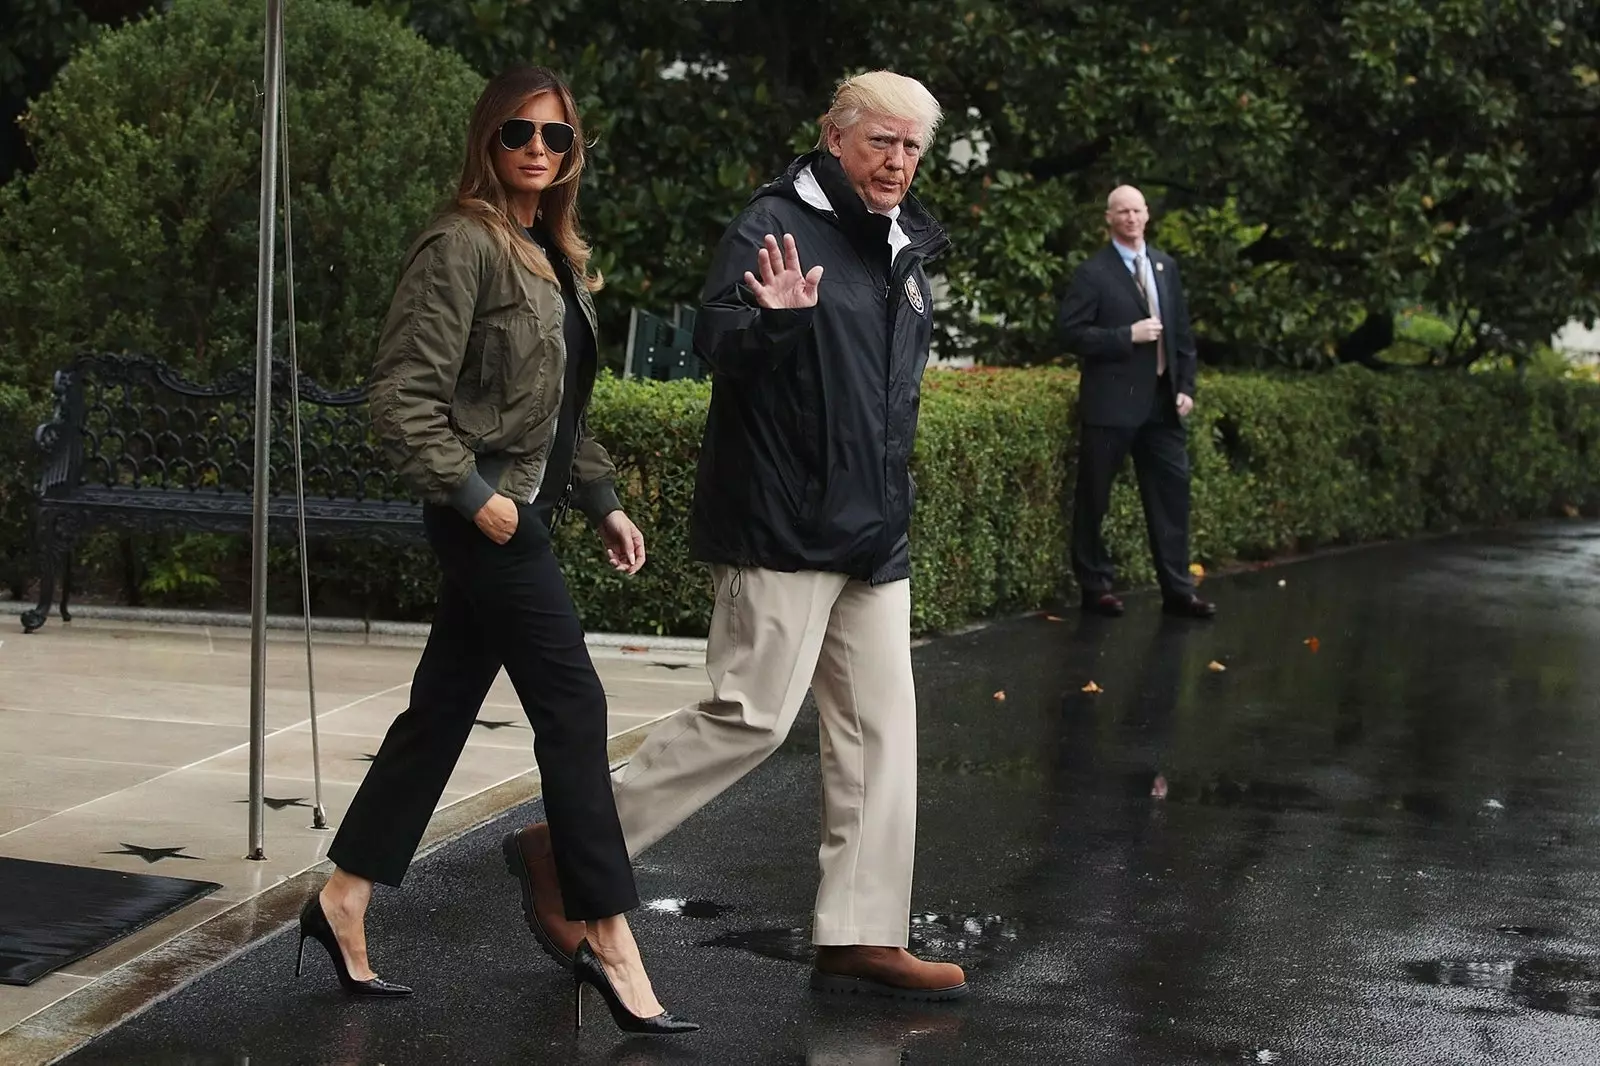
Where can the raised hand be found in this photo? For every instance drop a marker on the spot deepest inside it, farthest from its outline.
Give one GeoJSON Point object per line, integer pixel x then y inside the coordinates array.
{"type": "Point", "coordinates": [781, 283]}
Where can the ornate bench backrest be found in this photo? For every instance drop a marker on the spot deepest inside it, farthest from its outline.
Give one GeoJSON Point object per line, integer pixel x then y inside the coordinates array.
{"type": "Point", "coordinates": [128, 422]}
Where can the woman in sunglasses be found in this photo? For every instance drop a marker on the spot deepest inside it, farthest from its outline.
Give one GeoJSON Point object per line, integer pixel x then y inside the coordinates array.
{"type": "Point", "coordinates": [484, 368]}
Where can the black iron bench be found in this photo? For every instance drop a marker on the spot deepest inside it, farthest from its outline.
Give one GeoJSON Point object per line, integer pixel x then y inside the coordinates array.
{"type": "Point", "coordinates": [133, 446]}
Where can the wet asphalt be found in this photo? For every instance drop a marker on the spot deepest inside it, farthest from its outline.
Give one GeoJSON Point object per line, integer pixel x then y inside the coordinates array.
{"type": "Point", "coordinates": [1378, 847]}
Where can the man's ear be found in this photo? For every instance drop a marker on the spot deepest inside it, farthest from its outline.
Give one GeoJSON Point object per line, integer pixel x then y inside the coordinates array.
{"type": "Point", "coordinates": [835, 142]}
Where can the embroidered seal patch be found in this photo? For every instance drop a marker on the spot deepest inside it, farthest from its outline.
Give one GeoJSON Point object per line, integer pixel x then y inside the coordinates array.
{"type": "Point", "coordinates": [914, 294]}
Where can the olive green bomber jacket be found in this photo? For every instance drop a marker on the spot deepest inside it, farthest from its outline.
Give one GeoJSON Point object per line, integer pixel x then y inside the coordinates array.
{"type": "Point", "coordinates": [465, 394]}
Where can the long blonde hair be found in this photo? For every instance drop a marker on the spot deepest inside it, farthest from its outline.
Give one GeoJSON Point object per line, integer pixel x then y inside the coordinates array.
{"type": "Point", "coordinates": [482, 196]}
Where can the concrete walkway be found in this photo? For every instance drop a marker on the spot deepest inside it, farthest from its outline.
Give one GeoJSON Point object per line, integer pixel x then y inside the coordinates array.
{"type": "Point", "coordinates": [124, 745]}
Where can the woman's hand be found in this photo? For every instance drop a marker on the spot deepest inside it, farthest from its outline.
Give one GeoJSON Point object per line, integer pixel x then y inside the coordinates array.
{"type": "Point", "coordinates": [497, 519]}
{"type": "Point", "coordinates": [624, 543]}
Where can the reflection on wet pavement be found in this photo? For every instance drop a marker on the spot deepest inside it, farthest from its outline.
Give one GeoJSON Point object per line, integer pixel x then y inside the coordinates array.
{"type": "Point", "coordinates": [1563, 986]}
{"type": "Point", "coordinates": [972, 940]}
{"type": "Point", "coordinates": [703, 909]}
{"type": "Point", "coordinates": [1384, 851]}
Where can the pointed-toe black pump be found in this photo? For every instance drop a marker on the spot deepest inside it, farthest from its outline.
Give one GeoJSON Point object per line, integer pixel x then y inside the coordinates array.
{"type": "Point", "coordinates": [586, 970]}
{"type": "Point", "coordinates": [314, 924]}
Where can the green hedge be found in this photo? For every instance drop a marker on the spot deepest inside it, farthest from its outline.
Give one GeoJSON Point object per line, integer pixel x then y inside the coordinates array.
{"type": "Point", "coordinates": [1281, 464]}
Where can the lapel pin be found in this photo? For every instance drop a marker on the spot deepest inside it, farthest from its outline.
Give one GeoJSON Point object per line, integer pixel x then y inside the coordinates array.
{"type": "Point", "coordinates": [1159, 267]}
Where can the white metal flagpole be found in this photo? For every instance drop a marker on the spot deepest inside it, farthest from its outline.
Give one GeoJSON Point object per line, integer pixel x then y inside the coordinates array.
{"type": "Point", "coordinates": [260, 488]}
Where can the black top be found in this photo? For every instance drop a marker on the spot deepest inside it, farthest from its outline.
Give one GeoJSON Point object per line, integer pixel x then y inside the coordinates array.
{"type": "Point", "coordinates": [807, 448]}
{"type": "Point", "coordinates": [579, 368]}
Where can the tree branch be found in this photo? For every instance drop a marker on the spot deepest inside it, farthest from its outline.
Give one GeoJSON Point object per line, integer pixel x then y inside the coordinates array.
{"type": "Point", "coordinates": [1081, 157]}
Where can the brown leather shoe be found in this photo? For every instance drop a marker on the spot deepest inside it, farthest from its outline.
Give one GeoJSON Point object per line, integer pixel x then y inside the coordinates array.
{"type": "Point", "coordinates": [1102, 603]}
{"type": "Point", "coordinates": [530, 861]}
{"type": "Point", "coordinates": [1190, 606]}
{"type": "Point", "coordinates": [894, 972]}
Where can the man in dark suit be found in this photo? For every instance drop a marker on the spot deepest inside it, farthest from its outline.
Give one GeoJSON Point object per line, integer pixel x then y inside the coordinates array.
{"type": "Point", "coordinates": [1125, 318]}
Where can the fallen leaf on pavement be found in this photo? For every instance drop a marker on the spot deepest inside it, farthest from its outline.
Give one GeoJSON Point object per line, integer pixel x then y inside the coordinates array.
{"type": "Point", "coordinates": [1215, 667]}
{"type": "Point", "coordinates": [1092, 687]}
{"type": "Point", "coordinates": [636, 647]}
{"type": "Point", "coordinates": [1000, 695]}
{"type": "Point", "coordinates": [1054, 618]}
{"type": "Point", "coordinates": [1313, 643]}
{"type": "Point", "coordinates": [1158, 789]}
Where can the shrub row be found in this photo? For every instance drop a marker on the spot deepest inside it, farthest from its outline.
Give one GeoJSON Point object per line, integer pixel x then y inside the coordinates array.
{"type": "Point", "coordinates": [1280, 464]}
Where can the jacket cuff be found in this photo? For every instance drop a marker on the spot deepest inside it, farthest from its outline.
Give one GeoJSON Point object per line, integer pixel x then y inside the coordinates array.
{"type": "Point", "coordinates": [783, 326]}
{"type": "Point", "coordinates": [469, 497]}
{"type": "Point", "coordinates": [596, 500]}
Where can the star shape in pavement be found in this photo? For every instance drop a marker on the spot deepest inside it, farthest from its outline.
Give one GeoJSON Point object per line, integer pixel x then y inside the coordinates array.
{"type": "Point", "coordinates": [151, 854]}
{"type": "Point", "coordinates": [280, 804]}
{"type": "Point", "coordinates": [492, 726]}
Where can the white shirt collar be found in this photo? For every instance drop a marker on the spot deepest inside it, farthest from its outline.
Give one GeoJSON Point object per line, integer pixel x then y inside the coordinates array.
{"type": "Point", "coordinates": [809, 189]}
{"type": "Point", "coordinates": [1129, 254]}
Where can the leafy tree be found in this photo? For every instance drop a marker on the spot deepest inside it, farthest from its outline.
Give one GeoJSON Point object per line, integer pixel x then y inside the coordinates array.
{"type": "Point", "coordinates": [138, 229]}
{"type": "Point", "coordinates": [1320, 164]}
{"type": "Point", "coordinates": [36, 37]}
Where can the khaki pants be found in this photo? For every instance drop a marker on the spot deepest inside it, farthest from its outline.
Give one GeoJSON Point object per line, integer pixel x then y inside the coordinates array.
{"type": "Point", "coordinates": [773, 636]}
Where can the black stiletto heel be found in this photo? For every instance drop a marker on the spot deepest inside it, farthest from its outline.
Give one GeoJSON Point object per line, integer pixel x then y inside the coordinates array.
{"type": "Point", "coordinates": [314, 924]}
{"type": "Point", "coordinates": [586, 970]}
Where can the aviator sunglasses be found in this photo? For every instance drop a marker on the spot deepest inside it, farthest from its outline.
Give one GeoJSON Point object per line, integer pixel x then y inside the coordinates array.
{"type": "Point", "coordinates": [515, 133]}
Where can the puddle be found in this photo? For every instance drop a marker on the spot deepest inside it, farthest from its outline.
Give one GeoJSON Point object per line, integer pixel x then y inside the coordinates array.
{"type": "Point", "coordinates": [969, 939]}
{"type": "Point", "coordinates": [1560, 986]}
{"type": "Point", "coordinates": [785, 945]}
{"type": "Point", "coordinates": [1527, 930]}
{"type": "Point", "coordinates": [1243, 1053]}
{"type": "Point", "coordinates": [1220, 791]}
{"type": "Point", "coordinates": [689, 908]}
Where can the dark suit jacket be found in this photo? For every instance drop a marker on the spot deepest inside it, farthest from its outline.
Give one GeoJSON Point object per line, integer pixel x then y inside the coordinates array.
{"type": "Point", "coordinates": [1096, 324]}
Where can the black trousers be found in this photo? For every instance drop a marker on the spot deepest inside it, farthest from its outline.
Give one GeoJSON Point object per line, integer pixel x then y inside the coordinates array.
{"type": "Point", "coordinates": [498, 605]}
{"type": "Point", "coordinates": [1161, 461]}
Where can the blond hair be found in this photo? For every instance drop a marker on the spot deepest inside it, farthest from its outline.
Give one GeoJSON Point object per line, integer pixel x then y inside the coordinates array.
{"type": "Point", "coordinates": [481, 195]}
{"type": "Point", "coordinates": [886, 94]}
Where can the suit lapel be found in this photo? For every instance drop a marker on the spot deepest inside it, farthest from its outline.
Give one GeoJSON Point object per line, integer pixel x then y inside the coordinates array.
{"type": "Point", "coordinates": [1114, 263]}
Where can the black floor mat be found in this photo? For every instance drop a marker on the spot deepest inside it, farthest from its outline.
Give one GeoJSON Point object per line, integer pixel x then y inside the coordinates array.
{"type": "Point", "coordinates": [51, 915]}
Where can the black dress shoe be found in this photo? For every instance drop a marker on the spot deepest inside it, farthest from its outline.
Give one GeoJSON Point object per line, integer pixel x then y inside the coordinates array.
{"type": "Point", "coordinates": [314, 925]}
{"type": "Point", "coordinates": [586, 970]}
{"type": "Point", "coordinates": [1102, 603]}
{"type": "Point", "coordinates": [1189, 607]}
